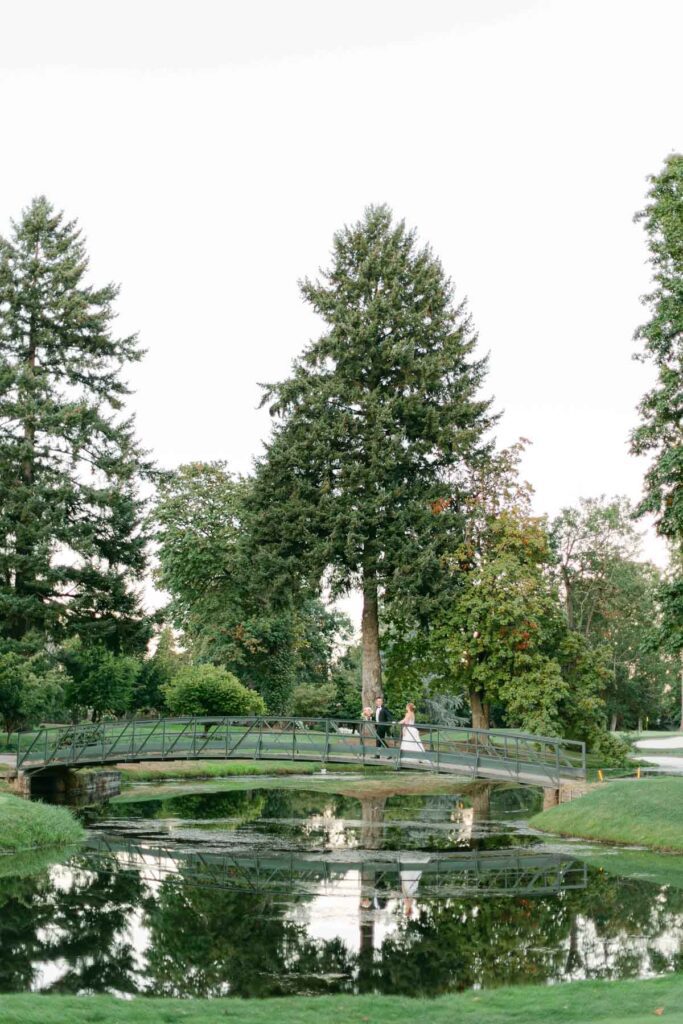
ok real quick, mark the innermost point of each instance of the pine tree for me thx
(71, 543)
(376, 421)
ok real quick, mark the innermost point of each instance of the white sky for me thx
(210, 149)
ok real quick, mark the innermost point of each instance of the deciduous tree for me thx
(221, 597)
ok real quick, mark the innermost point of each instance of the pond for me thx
(326, 885)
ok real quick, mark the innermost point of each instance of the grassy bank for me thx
(644, 813)
(593, 1002)
(27, 826)
(377, 783)
(157, 771)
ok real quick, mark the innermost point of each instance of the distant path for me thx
(672, 763)
(670, 743)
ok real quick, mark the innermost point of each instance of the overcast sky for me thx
(210, 150)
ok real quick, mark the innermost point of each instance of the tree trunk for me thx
(480, 711)
(371, 673)
(613, 723)
(568, 597)
(24, 538)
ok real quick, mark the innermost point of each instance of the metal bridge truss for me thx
(488, 754)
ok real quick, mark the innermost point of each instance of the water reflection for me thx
(270, 892)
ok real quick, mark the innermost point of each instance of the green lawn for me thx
(359, 784)
(647, 812)
(156, 771)
(26, 826)
(593, 1002)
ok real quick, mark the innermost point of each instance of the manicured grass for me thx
(156, 771)
(358, 785)
(26, 826)
(646, 812)
(592, 1002)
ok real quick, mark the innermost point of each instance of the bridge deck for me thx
(487, 754)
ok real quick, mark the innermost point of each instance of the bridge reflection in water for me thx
(407, 874)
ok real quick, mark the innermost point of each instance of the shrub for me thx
(210, 690)
(611, 749)
(313, 701)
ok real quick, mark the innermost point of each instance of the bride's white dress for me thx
(410, 739)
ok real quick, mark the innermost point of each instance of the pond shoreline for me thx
(632, 812)
(27, 825)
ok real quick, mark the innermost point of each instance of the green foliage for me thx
(71, 542)
(614, 601)
(210, 690)
(375, 422)
(501, 636)
(156, 672)
(346, 676)
(30, 691)
(612, 751)
(99, 681)
(310, 700)
(660, 433)
(219, 598)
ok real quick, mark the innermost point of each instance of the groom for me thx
(382, 718)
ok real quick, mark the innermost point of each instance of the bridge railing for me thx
(496, 753)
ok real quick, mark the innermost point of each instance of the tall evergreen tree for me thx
(376, 421)
(71, 543)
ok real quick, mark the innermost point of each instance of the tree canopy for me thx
(221, 598)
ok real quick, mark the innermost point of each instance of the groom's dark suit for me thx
(382, 721)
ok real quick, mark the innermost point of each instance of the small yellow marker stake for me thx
(638, 772)
(600, 775)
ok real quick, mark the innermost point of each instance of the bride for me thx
(410, 735)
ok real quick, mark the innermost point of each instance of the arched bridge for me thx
(478, 753)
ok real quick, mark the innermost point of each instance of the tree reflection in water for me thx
(93, 926)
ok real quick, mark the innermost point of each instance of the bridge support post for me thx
(551, 798)
(567, 791)
(63, 786)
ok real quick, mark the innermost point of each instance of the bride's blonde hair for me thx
(410, 707)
